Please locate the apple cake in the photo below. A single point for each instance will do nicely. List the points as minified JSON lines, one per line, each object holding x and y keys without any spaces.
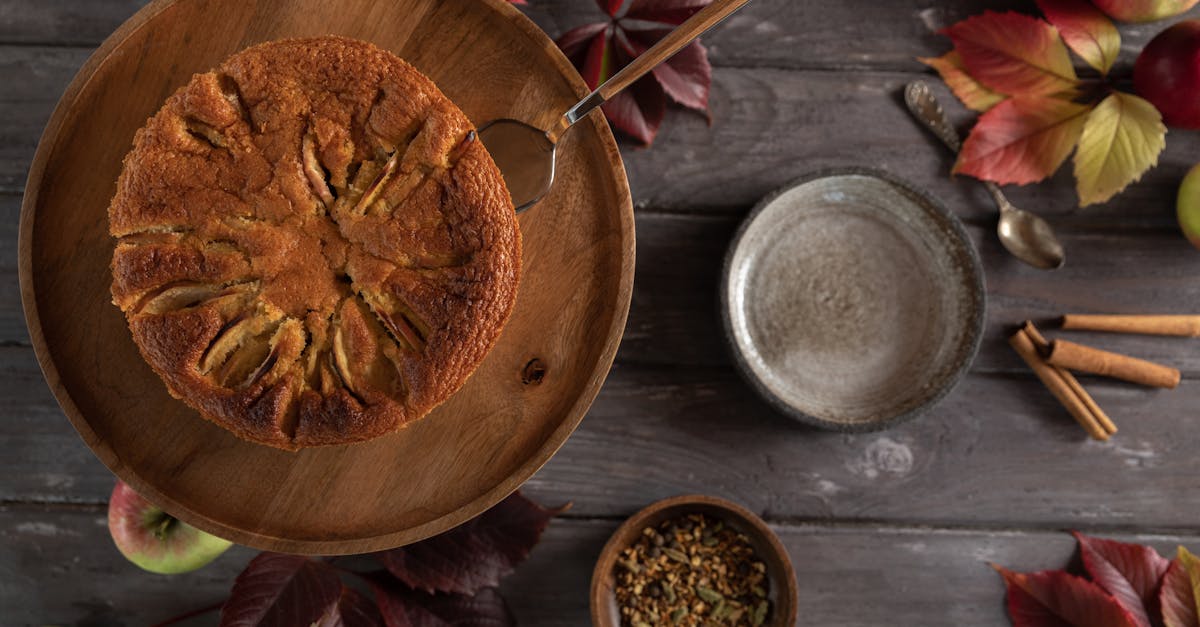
{"x":313,"y":246}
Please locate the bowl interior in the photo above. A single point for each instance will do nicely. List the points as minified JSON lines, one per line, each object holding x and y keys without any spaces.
{"x":782,"y":577}
{"x":853,"y":300}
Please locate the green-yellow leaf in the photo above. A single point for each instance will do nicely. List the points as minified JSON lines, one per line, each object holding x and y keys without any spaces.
{"x":1122,"y":138}
{"x":1192,"y":564}
{"x":971,"y":92}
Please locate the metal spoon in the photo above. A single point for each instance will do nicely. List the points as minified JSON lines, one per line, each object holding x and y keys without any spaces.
{"x":525,"y":154}
{"x":1025,"y":235}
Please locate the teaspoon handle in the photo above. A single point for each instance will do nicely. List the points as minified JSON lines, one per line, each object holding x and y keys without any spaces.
{"x":925,"y":107}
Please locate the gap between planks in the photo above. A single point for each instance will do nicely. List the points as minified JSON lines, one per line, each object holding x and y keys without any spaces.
{"x":794,"y":524}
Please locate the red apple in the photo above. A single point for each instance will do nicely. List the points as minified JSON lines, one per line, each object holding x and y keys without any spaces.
{"x":1143,"y":10}
{"x":153,"y":539}
{"x":1167,"y":74}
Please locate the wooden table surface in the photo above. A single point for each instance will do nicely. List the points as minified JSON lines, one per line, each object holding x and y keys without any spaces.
{"x":892,"y":528}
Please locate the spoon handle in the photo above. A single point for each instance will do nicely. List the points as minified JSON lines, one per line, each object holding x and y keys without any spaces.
{"x":925,"y":107}
{"x":666,"y":48}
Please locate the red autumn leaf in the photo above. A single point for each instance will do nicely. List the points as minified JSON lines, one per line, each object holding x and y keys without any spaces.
{"x":1054,"y":598}
{"x":577,"y":39}
{"x":1180,"y":605}
{"x":283,"y":590}
{"x":403,"y":607}
{"x":599,"y":61}
{"x":968,"y":90}
{"x":474,"y":555}
{"x":685,"y":77}
{"x":1131,"y":573}
{"x":611,"y":7}
{"x":1014,"y":54}
{"x":639,"y":110}
{"x":356,"y":610}
{"x":672,"y":12}
{"x":1022,"y":140}
{"x":1086,"y":29}
{"x":601,"y":50}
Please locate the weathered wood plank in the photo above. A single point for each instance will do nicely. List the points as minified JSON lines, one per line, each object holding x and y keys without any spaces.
{"x":770,"y":127}
{"x":674,"y":318}
{"x":847,"y":576}
{"x":34,"y":79}
{"x":774,"y":33}
{"x":12,"y":317}
{"x":836,"y":35}
{"x":63,"y":22}
{"x":46,"y":460}
{"x":656,"y":431}
{"x":59,"y":567}
{"x":998,"y":450}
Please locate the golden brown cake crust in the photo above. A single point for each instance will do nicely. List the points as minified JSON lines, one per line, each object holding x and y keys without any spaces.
{"x":313,"y":247}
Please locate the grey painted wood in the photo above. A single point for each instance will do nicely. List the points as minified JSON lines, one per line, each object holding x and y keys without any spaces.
{"x":770,"y":127}
{"x":12,"y":317}
{"x":839,"y":35}
{"x":768,"y":33}
{"x":674,"y":318}
{"x":63,"y":22}
{"x":890,"y":528}
{"x":1015,"y":457}
{"x":59,"y":567}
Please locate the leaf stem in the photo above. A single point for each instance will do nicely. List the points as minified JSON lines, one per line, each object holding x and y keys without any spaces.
{"x":192,"y":614}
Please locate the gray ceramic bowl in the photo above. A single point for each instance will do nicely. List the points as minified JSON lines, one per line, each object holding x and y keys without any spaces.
{"x":852,"y":301}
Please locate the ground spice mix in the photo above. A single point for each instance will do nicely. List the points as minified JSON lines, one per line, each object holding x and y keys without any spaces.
{"x":692,"y":571}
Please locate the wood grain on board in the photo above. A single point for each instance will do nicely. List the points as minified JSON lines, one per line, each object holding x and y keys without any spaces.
{"x":474,"y":449}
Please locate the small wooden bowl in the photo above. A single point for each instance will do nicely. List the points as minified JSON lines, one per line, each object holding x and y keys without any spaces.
{"x":782,"y":578}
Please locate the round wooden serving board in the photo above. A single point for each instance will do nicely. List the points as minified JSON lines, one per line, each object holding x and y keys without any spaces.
{"x":475,"y":449}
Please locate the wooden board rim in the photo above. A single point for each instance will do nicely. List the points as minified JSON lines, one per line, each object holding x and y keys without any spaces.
{"x":47,"y":145}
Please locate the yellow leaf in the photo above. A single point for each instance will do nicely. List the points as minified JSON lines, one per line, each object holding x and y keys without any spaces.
{"x":1192,"y":565}
{"x":971,"y":92}
{"x":1122,"y":138}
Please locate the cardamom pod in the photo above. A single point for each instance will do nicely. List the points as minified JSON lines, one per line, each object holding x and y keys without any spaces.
{"x":676,"y":555}
{"x":709,"y":595}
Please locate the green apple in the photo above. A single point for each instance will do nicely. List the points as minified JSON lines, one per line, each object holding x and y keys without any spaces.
{"x":1187,"y":207}
{"x":153,"y":539}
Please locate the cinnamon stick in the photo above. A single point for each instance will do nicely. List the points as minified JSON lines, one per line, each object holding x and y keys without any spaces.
{"x":1081,"y":358}
{"x":1181,"y":326}
{"x":1043,"y":347}
{"x":1054,"y":381}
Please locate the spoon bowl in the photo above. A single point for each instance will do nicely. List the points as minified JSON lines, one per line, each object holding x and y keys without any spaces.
{"x":525,"y":153}
{"x":525,"y":156}
{"x":1025,"y":235}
